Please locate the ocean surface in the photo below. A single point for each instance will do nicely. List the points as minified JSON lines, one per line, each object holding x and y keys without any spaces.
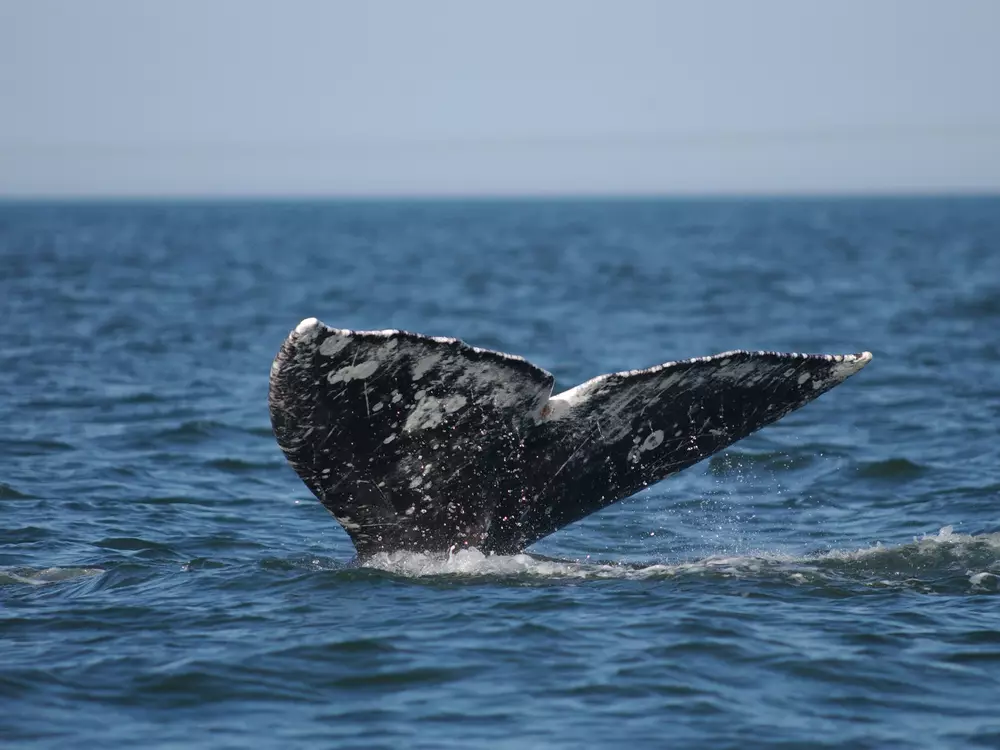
{"x":166,"y":581}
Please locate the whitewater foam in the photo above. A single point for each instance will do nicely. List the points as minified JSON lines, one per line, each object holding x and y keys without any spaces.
{"x":928,"y":556}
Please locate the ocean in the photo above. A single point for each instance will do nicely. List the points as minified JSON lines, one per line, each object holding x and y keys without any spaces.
{"x":166,"y":581}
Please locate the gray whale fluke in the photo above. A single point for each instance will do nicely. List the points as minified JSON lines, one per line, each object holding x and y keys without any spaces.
{"x":419,"y":443}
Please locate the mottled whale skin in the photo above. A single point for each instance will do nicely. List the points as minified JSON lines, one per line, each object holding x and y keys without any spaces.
{"x":424,"y":444}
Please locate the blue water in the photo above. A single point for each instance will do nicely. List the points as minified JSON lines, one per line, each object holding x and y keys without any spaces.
{"x":167,"y":582}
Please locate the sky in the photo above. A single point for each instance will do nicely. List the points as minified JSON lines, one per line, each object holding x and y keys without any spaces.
{"x":484,"y":97}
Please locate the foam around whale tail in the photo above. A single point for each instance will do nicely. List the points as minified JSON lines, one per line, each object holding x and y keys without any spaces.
{"x":418,"y":443}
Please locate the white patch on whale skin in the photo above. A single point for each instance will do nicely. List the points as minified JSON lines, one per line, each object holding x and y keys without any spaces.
{"x":426,"y":415}
{"x":305,"y":334}
{"x":740,"y":371}
{"x":353,"y":372}
{"x":493,"y":384}
{"x":454,"y":403}
{"x":556,"y":408}
{"x":653,"y":440}
{"x":430,"y":411}
{"x":561,"y":404}
{"x":422,"y":365}
{"x":348,"y":523}
{"x":333,"y":344}
{"x":309,"y":325}
{"x":850,"y":364}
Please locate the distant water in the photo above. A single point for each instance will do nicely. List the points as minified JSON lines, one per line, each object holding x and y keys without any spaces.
{"x":167,"y":582}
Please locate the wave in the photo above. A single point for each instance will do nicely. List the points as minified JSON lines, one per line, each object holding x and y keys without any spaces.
{"x":8,"y":492}
{"x":42,"y":576}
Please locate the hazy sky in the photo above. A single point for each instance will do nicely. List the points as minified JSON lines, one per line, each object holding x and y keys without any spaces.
{"x":476,"y":96}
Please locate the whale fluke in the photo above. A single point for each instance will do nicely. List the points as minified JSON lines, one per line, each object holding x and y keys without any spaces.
{"x":419,"y":443}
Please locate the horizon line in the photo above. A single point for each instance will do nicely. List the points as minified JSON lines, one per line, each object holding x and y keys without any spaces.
{"x":498,"y":196}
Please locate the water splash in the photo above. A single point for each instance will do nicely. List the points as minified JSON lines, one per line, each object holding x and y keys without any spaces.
{"x":926,"y":560}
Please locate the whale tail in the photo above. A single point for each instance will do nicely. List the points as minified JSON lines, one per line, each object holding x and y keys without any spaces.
{"x":422,"y":444}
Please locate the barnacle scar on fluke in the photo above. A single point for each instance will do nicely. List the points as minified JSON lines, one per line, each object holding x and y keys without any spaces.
{"x":419,"y":443}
